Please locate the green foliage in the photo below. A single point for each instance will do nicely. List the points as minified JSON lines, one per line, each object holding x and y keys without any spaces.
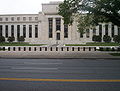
{"x":106,"y":38}
{"x":11,"y":39}
{"x":116,"y":38}
{"x":97,"y":38}
{"x":21,"y":39}
{"x":2,"y":39}
{"x":89,"y":13}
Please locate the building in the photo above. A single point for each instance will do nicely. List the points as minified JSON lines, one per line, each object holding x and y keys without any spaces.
{"x":47,"y":27}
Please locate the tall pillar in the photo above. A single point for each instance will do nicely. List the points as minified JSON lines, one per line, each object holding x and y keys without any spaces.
{"x":3,"y":30}
{"x":97,"y":30}
{"x":116,"y":30}
{"x":15,"y":32}
{"x":33,"y":31}
{"x":21,"y":30}
{"x":54,"y":29}
{"x":110,"y":29}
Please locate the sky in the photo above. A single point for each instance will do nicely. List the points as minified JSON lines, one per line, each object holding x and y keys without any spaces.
{"x":22,"y":6}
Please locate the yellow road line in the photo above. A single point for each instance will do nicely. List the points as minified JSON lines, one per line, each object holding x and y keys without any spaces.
{"x":63,"y":80}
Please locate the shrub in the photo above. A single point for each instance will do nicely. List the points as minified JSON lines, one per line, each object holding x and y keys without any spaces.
{"x":11,"y":39}
{"x":116,"y":38}
{"x":107,"y":38}
{"x":96,"y":38}
{"x":21,"y":39}
{"x":2,"y":39}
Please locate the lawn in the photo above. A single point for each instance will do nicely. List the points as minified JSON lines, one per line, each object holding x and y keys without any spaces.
{"x":115,"y":54}
{"x":94,"y":44}
{"x":20,"y":44}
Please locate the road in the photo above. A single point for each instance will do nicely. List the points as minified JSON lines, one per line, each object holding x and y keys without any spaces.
{"x":59,"y":75}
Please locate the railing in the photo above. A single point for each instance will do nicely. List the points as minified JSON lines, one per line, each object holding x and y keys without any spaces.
{"x":56,"y":49}
{"x":46,"y":49}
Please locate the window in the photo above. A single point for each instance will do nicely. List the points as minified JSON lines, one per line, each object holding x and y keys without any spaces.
{"x":118,"y":30}
{"x":12,"y":18}
{"x":81,"y":35}
{"x":58,"y":36}
{"x":36,"y":31}
{"x":87,"y":33}
{"x":36,"y":18}
{"x":0,"y":19}
{"x":58,"y":24}
{"x":30,"y":18}
{"x":50,"y":20}
{"x":106,"y":29}
{"x":30,"y":31}
{"x":12,"y":30}
{"x":18,"y":31}
{"x":6,"y":19}
{"x":24,"y":18}
{"x":6,"y":31}
{"x":18,"y":18}
{"x":24,"y":31}
{"x":113,"y":31}
{"x":65,"y":31}
{"x":100,"y":30}
{"x":1,"y":27}
{"x":94,"y":31}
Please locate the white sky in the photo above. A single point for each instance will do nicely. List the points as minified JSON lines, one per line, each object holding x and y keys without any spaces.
{"x":22,"y":6}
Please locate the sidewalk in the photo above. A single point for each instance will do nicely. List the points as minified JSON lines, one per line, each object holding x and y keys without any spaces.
{"x":99,"y":55}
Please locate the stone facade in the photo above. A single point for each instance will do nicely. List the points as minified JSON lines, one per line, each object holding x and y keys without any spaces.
{"x":47,"y":27}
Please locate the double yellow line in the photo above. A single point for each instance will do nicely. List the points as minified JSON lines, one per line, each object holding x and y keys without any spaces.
{"x":62,"y":80}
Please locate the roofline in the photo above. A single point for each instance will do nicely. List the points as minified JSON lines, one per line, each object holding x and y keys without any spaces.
{"x":16,"y":14}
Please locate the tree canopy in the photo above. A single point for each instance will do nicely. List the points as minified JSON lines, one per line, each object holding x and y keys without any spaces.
{"x":90,"y":12}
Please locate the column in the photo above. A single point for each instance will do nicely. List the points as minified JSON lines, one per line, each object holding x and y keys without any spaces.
{"x":54,"y":29}
{"x":116,"y":30}
{"x":109,"y":29}
{"x":3,"y":30}
{"x":97,"y":30}
{"x":15,"y":32}
{"x":21,"y":30}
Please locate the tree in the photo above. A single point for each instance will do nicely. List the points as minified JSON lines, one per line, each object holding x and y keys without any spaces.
{"x":11,"y":39}
{"x":21,"y":39}
{"x":2,"y":39}
{"x":90,"y":12}
{"x":116,"y":38}
{"x":106,"y":38}
{"x":97,"y":38}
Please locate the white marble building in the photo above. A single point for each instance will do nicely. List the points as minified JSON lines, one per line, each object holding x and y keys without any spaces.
{"x":47,"y":27}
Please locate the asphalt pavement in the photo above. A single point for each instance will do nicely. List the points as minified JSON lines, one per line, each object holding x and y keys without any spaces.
{"x":59,"y":74}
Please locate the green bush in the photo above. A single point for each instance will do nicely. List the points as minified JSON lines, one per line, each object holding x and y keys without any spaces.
{"x":96,"y":38}
{"x":11,"y":39}
{"x":116,"y":38}
{"x":2,"y":39}
{"x":21,"y":39}
{"x":107,"y":39}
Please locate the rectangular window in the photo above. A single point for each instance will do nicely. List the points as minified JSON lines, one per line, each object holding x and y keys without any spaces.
{"x":1,"y":29}
{"x":58,"y":24}
{"x":36,"y":18}
{"x":12,"y":18}
{"x":6,"y":19}
{"x":94,"y":31}
{"x":65,"y":31}
{"x":30,"y":31}
{"x":30,"y":18}
{"x":18,"y":18}
{"x":12,"y":30}
{"x":87,"y":33}
{"x":36,"y":31}
{"x":50,"y":21}
{"x":113,"y":31}
{"x":1,"y":19}
{"x":6,"y":31}
{"x":24,"y":18}
{"x":118,"y":30}
{"x":18,"y":31}
{"x":100,"y":30}
{"x":24,"y":31}
{"x":106,"y":29}
{"x":58,"y":36}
